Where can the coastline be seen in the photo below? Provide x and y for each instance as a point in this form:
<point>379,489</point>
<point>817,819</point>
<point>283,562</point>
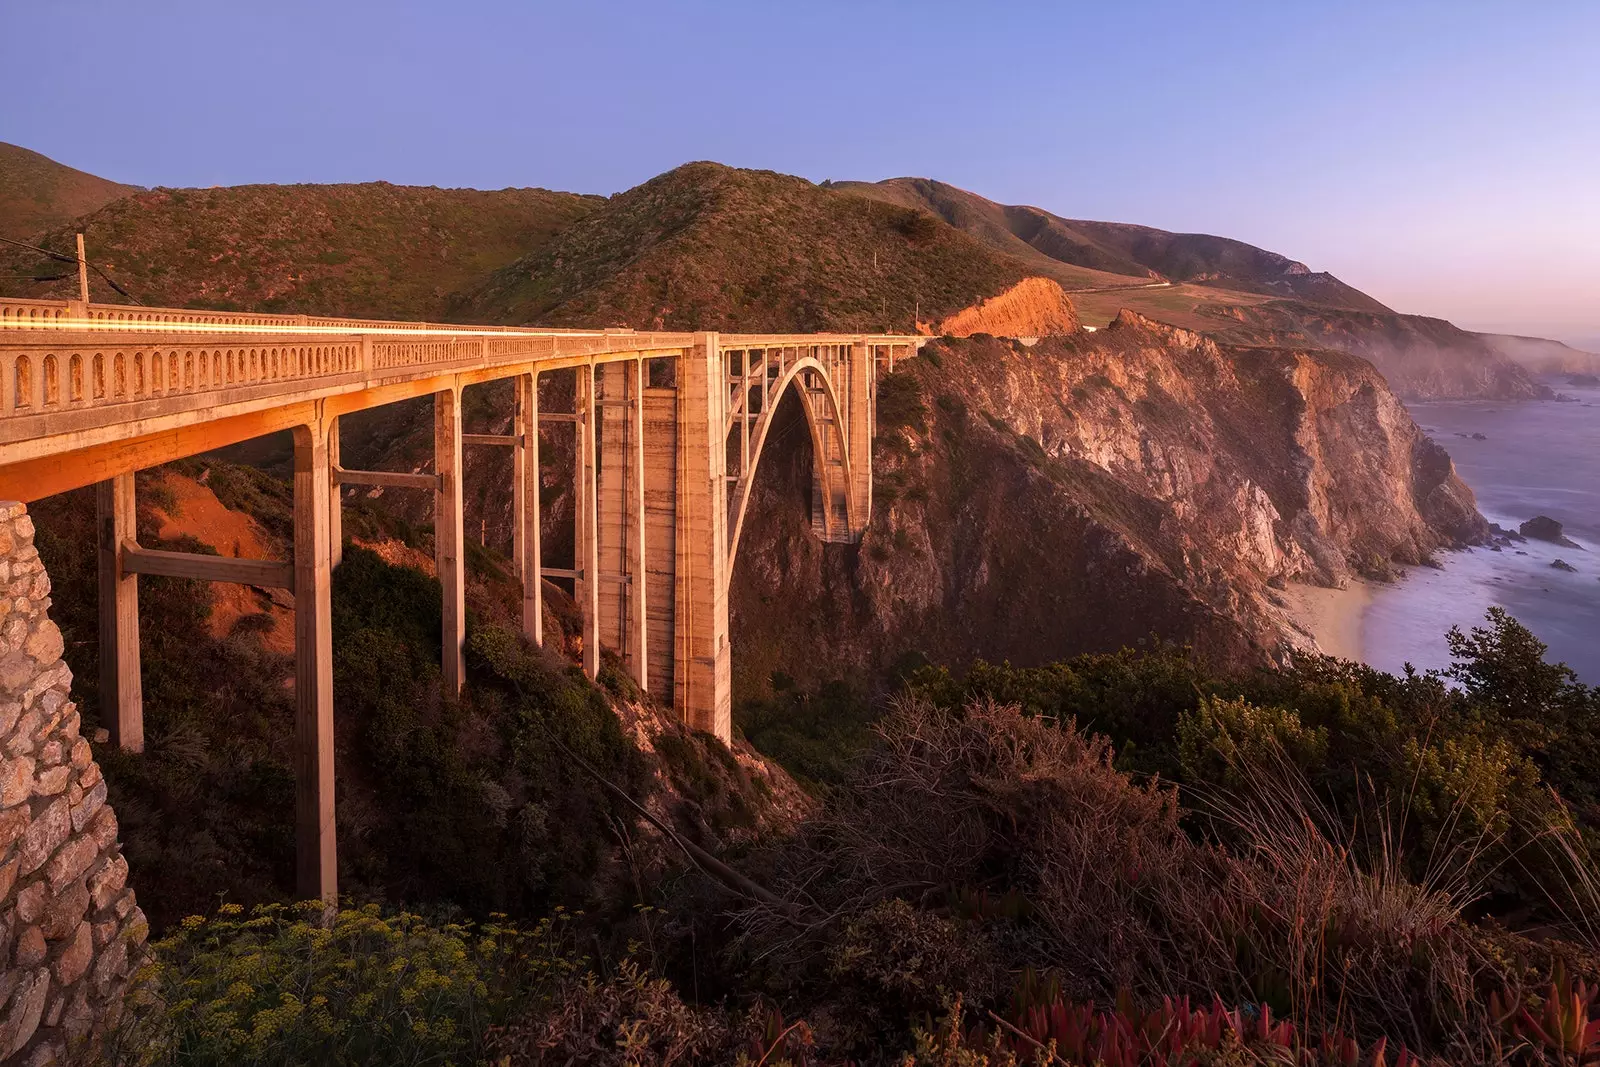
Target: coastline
<point>1332,618</point>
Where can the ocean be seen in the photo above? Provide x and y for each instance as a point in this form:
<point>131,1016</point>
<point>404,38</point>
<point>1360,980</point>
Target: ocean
<point>1536,458</point>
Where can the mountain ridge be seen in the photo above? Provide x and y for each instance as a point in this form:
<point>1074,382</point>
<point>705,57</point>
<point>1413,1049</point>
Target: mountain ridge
<point>1120,248</point>
<point>37,193</point>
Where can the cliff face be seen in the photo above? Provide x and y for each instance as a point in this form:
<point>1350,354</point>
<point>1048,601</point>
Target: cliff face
<point>1091,491</point>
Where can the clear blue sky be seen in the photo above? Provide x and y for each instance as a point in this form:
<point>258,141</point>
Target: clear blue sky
<point>1445,157</point>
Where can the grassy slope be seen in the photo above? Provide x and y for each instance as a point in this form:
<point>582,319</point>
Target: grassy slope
<point>710,247</point>
<point>1082,254</point>
<point>38,194</point>
<point>373,249</point>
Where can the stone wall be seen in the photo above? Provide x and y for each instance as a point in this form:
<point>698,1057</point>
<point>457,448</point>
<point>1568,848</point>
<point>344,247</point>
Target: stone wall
<point>70,931</point>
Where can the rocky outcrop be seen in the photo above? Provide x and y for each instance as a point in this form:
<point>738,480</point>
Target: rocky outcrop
<point>1034,307</point>
<point>1088,493</point>
<point>1544,528</point>
<point>70,930</point>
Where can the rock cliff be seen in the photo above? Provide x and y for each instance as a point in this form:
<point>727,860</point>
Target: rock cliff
<point>1088,493</point>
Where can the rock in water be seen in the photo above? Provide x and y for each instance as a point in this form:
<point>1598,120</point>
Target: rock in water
<point>1544,528</point>
<point>1563,565</point>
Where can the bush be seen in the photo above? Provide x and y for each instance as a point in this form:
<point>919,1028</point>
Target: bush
<point>280,987</point>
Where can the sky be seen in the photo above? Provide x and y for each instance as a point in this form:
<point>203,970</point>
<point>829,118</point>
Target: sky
<point>1443,157</point>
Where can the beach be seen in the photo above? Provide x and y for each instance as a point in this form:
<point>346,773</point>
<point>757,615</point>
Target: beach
<point>1332,617</point>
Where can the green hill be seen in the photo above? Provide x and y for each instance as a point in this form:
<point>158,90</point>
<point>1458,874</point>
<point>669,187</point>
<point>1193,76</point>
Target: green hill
<point>38,194</point>
<point>706,246</point>
<point>1083,254</point>
<point>374,249</point>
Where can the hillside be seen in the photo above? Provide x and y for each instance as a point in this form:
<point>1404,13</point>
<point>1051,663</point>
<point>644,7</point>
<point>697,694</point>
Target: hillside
<point>38,194</point>
<point>374,249</point>
<point>711,247</point>
<point>1087,493</point>
<point>1235,291</point>
<point>1114,252</point>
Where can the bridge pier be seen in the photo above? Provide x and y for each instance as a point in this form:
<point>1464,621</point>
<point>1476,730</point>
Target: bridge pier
<point>525,506</point>
<point>121,698</point>
<point>586,513</point>
<point>335,502</point>
<point>702,676</point>
<point>316,859</point>
<point>861,405</point>
<point>619,519</point>
<point>448,539</point>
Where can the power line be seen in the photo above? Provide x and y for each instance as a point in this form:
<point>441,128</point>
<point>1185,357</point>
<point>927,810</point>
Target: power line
<point>45,251</point>
<point>72,259</point>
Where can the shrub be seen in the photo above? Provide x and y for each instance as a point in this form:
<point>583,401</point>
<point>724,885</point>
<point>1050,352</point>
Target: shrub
<point>282,987</point>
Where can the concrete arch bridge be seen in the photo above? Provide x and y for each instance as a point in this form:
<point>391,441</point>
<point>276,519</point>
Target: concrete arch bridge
<point>670,429</point>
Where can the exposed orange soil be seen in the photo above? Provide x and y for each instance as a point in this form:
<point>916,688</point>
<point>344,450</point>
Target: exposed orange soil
<point>1034,307</point>
<point>198,513</point>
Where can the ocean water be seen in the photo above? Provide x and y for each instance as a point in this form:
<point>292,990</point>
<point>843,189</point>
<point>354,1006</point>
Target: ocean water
<point>1538,458</point>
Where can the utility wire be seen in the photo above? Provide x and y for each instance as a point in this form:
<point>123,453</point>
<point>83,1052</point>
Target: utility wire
<point>72,259</point>
<point>44,251</point>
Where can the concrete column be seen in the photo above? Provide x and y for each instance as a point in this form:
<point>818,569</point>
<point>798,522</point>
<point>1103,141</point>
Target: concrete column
<point>702,680</point>
<point>526,506</point>
<point>121,697</point>
<point>859,402</point>
<point>638,532</point>
<point>335,504</point>
<point>448,537</point>
<point>586,510</point>
<point>611,498</point>
<point>316,857</point>
<point>660,484</point>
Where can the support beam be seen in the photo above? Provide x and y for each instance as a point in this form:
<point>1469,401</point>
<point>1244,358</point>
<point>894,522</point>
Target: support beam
<point>121,698</point>
<point>448,537</point>
<point>661,531</point>
<point>702,680</point>
<point>504,440</point>
<point>389,479</point>
<point>611,461</point>
<point>335,502</point>
<point>860,405</point>
<point>585,485</point>
<point>265,573</point>
<point>638,619</point>
<point>316,856</point>
<point>561,416</point>
<point>526,507</point>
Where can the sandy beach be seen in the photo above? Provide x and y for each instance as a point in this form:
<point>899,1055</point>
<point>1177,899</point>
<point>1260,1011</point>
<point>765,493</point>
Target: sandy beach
<point>1331,616</point>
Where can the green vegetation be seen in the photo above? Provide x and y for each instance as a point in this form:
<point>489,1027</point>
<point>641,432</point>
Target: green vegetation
<point>1314,858</point>
<point>374,250</point>
<point>710,247</point>
<point>288,986</point>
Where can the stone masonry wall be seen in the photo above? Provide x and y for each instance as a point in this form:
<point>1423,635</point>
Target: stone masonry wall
<point>70,931</point>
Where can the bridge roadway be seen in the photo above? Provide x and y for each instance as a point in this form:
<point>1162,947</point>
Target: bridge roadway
<point>669,428</point>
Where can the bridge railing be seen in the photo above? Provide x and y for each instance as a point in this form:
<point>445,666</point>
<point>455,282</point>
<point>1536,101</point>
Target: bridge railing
<point>64,358</point>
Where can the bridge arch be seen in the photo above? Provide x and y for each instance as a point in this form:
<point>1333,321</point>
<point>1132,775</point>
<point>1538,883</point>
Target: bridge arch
<point>834,505</point>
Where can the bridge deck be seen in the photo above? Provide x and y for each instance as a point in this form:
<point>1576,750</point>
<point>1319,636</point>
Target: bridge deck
<point>122,388</point>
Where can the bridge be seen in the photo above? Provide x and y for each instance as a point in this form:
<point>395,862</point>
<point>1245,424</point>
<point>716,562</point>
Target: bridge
<point>669,431</point>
